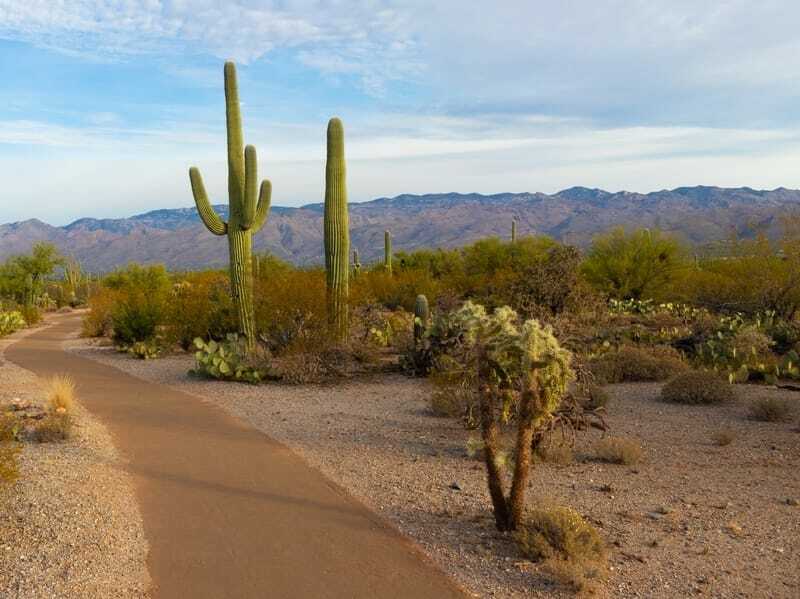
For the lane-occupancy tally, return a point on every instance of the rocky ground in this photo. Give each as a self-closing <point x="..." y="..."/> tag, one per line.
<point x="70" y="525"/>
<point x="691" y="518"/>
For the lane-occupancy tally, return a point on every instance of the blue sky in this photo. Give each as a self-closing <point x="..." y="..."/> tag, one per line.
<point x="106" y="103"/>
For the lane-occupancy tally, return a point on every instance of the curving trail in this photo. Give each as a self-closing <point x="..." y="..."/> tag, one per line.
<point x="229" y="513"/>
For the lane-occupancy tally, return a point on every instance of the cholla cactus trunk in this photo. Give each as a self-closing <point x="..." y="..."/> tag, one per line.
<point x="513" y="231"/>
<point x="387" y="251"/>
<point x="246" y="214"/>
<point x="337" y="232"/>
<point x="421" y="318"/>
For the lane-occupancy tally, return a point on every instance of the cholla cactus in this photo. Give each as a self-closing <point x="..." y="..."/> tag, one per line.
<point x="246" y="215"/>
<point x="522" y="370"/>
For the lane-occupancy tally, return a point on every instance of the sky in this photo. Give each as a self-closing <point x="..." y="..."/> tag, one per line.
<point x="104" y="104"/>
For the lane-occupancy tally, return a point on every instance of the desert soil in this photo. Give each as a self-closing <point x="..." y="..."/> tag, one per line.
<point x="692" y="518"/>
<point x="70" y="525"/>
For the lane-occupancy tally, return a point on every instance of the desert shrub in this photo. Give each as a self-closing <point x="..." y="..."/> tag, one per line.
<point x="200" y="305"/>
<point x="98" y="322"/>
<point x="723" y="437"/>
<point x="697" y="387"/>
<point x="396" y="290"/>
<point x="771" y="409"/>
<point x="555" y="449"/>
<point x="229" y="361"/>
<point x="641" y="264"/>
<point x="11" y="322"/>
<point x="291" y="309"/>
<point x="30" y="314"/>
<point x="298" y="367"/>
<point x="60" y="392"/>
<point x="9" y="447"/>
<point x="53" y="427"/>
<point x="595" y="397"/>
<point x="454" y="393"/>
<point x="23" y="278"/>
<point x="755" y="275"/>
<point x="570" y="547"/>
<point x="619" y="450"/>
<point x="631" y="363"/>
<point x="141" y="302"/>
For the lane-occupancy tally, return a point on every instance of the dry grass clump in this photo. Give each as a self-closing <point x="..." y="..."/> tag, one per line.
<point x="9" y="448"/>
<point x="596" y="397"/>
<point x="571" y="549"/>
<point x="61" y="393"/>
<point x="619" y="450"/>
<point x="771" y="409"/>
<point x="723" y="437"/>
<point x="697" y="387"/>
<point x="555" y="450"/>
<point x="630" y="364"/>
<point x="57" y="422"/>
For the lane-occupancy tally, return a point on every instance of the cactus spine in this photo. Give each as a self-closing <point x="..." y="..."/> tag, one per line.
<point x="337" y="232"/>
<point x="356" y="264"/>
<point x="246" y="215"/>
<point x="421" y="318"/>
<point x="514" y="231"/>
<point x="387" y="251"/>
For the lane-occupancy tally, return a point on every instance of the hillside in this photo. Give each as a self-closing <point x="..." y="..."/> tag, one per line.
<point x="177" y="237"/>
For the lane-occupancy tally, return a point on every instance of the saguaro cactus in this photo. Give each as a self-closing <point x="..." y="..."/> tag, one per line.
<point x="356" y="264"/>
<point x="514" y="231"/>
<point x="246" y="215"/>
<point x="337" y="231"/>
<point x="387" y="251"/>
<point x="421" y="318"/>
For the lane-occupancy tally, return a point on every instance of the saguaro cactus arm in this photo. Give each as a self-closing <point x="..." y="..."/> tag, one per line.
<point x="264" y="201"/>
<point x="210" y="218"/>
<point x="250" y="186"/>
<point x="233" y="119"/>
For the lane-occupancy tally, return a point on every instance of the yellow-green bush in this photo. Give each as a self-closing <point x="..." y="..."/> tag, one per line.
<point x="697" y="387"/>
<point x="631" y="363"/>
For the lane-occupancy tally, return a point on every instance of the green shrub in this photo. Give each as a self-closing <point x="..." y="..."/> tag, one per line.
<point x="98" y="322"/>
<point x="631" y="363"/>
<point x="771" y="409"/>
<point x="697" y="387"/>
<point x="200" y="305"/>
<point x="30" y="314"/>
<point x="638" y="265"/>
<point x="136" y="318"/>
<point x="11" y="322"/>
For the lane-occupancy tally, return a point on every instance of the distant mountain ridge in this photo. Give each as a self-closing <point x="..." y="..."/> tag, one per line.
<point x="177" y="238"/>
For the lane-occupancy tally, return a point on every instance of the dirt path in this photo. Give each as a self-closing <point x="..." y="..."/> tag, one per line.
<point x="227" y="511"/>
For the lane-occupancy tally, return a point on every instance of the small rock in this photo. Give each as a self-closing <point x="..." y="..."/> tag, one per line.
<point x="794" y="502"/>
<point x="455" y="486"/>
<point x="655" y="515"/>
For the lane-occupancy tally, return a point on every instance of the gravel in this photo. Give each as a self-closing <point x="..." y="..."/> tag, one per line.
<point x="70" y="526"/>
<point x="690" y="518"/>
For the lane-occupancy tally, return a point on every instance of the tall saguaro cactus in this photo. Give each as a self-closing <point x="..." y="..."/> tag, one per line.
<point x="387" y="251"/>
<point x="514" y="231"/>
<point x="245" y="215"/>
<point x="337" y="231"/>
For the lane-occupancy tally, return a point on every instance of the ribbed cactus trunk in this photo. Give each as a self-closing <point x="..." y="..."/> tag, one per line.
<point x="356" y="264"/>
<point x="246" y="214"/>
<point x="421" y="318"/>
<point x="513" y="231"/>
<point x="387" y="251"/>
<point x="337" y="232"/>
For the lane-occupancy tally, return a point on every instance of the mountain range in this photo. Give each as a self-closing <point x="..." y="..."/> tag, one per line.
<point x="177" y="237"/>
